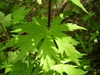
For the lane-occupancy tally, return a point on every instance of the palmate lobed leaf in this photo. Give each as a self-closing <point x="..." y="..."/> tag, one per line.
<point x="49" y="53"/>
<point x="68" y="69"/>
<point x="62" y="40"/>
<point x="48" y="48"/>
<point x="65" y="46"/>
<point x="27" y="44"/>
<point x="57" y="27"/>
<point x="49" y="56"/>
<point x="37" y="32"/>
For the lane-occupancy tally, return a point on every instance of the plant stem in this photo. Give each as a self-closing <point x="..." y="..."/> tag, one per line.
<point x="49" y="13"/>
<point x="4" y="31"/>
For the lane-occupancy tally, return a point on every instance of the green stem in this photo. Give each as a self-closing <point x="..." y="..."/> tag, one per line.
<point x="4" y="31"/>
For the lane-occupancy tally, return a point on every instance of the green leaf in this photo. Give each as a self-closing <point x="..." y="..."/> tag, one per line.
<point x="27" y="45"/>
<point x="10" y="43"/>
<point x="38" y="27"/>
<point x="68" y="69"/>
<point x="30" y="65"/>
<point x="34" y="37"/>
<point x="11" y="56"/>
<point x="36" y="34"/>
<point x="16" y="30"/>
<point x="39" y="1"/>
<point x="56" y="22"/>
<point x="78" y="3"/>
<point x="76" y="9"/>
<point x="73" y="27"/>
<point x="52" y="45"/>
<point x="2" y="16"/>
<point x="64" y="42"/>
<point x="36" y="70"/>
<point x="1" y="44"/>
<point x="65" y="46"/>
<point x="0" y="31"/>
<point x="7" y="20"/>
<point x="57" y="27"/>
<point x="18" y="68"/>
<point x="49" y="53"/>
<point x="51" y="72"/>
<point x="7" y="70"/>
<point x="8" y="67"/>
<point x="2" y="57"/>
<point x="19" y="14"/>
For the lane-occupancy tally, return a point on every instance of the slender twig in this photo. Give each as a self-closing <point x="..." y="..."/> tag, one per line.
<point x="4" y="31"/>
<point x="49" y="13"/>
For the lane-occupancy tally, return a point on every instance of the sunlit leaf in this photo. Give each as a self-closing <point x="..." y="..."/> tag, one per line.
<point x="79" y="4"/>
<point x="68" y="69"/>
<point x="65" y="46"/>
<point x="65" y="43"/>
<point x="73" y="27"/>
<point x="56" y="26"/>
<point x="55" y="49"/>
<point x="7" y="70"/>
<point x="27" y="45"/>
<point x="49" y="54"/>
<point x="39" y="1"/>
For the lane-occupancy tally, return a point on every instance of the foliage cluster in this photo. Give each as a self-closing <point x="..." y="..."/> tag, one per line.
<point x="29" y="47"/>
